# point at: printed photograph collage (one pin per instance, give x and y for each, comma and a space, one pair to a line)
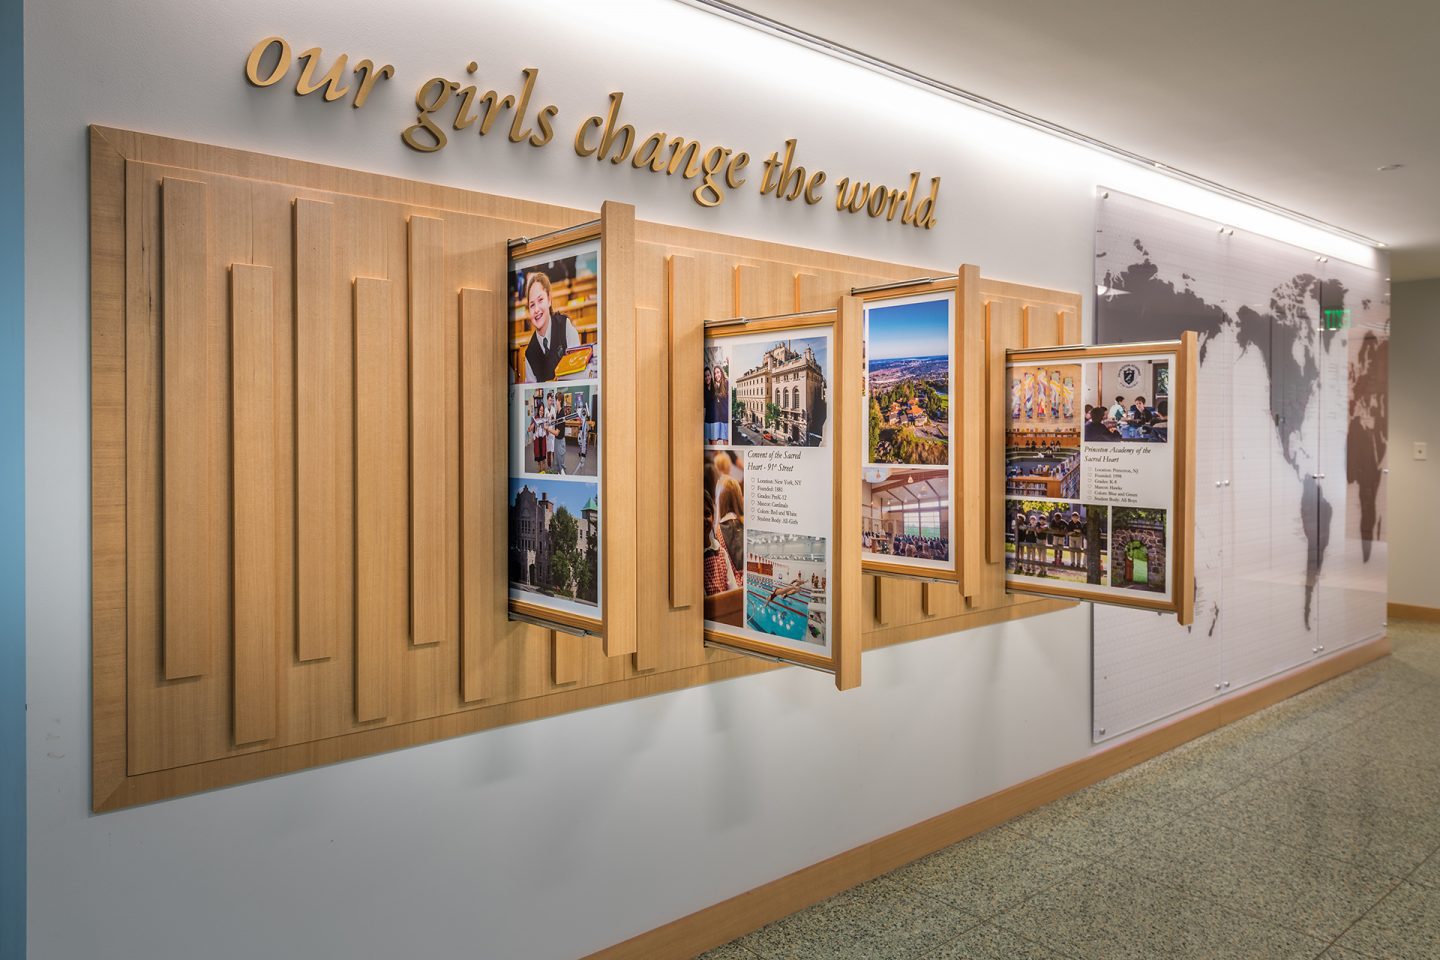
554, 360
767, 450
905, 491
1107, 529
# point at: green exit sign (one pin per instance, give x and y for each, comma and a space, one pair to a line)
1336, 318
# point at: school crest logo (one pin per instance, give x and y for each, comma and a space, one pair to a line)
1130, 375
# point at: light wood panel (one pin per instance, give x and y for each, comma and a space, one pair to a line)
969, 311
1189, 362
1001, 333
849, 460
339, 244
687, 353
379, 490
652, 563
1412, 611
320, 433
189, 594
565, 657
108, 505
255, 437
619, 395
482, 362
429, 520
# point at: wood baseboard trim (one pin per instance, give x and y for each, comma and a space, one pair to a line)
1411, 611
709, 928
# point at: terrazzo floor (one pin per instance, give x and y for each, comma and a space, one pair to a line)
1310, 830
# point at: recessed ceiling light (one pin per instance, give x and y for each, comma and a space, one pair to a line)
1390, 166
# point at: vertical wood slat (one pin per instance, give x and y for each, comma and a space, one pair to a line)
1069, 326
483, 501
319, 432
849, 459
1188, 359
565, 657
687, 356
882, 602
969, 315
620, 417
108, 439
650, 524
254, 435
997, 421
429, 577
186, 428
748, 294
807, 292
375, 547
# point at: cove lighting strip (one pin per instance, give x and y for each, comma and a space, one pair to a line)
885, 67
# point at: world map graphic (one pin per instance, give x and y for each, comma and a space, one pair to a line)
1290, 454
1140, 305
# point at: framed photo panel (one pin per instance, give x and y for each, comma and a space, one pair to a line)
1099, 474
781, 572
555, 322
910, 430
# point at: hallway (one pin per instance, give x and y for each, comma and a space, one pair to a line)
1309, 830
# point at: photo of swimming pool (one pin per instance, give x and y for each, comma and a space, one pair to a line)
784, 615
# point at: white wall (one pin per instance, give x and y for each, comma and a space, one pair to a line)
1413, 520
554, 838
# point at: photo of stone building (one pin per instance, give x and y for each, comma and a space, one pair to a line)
555, 539
781, 396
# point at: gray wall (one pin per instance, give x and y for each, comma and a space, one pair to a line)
1414, 514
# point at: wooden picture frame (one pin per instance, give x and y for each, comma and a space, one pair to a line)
843, 611
915, 293
1179, 589
611, 237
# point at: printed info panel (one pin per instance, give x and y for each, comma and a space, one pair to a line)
1090, 476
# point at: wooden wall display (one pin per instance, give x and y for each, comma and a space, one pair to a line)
1075, 465
921, 315
298, 494
561, 273
781, 550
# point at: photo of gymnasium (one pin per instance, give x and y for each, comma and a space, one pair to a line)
1057, 541
785, 585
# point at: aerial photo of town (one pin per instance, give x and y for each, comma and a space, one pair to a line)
908, 375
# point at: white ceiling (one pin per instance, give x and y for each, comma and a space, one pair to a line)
1296, 102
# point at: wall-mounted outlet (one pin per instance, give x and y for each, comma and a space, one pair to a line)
1421, 453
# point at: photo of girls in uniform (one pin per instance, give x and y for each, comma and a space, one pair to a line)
553, 329
555, 429
718, 401
555, 315
1062, 541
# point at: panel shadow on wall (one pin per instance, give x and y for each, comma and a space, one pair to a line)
1290, 549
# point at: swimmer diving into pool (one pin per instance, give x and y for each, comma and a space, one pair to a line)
789, 590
